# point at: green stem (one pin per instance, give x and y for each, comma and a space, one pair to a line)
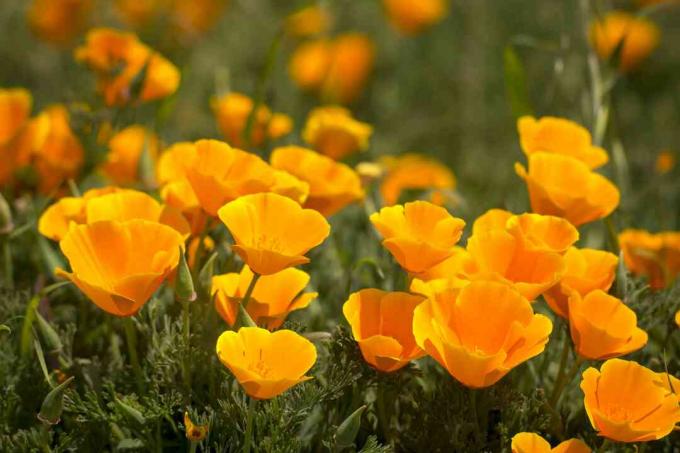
562, 369
192, 446
605, 444
249, 426
475, 415
7, 265
613, 236
131, 337
186, 332
244, 302
557, 393
262, 87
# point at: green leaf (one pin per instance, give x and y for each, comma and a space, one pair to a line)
515, 83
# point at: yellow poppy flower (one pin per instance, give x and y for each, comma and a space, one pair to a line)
272, 232
627, 402
559, 136
585, 270
125, 150
219, 174
290, 186
266, 364
419, 235
232, 111
382, 324
58, 21
275, 296
414, 172
480, 332
602, 326
411, 18
565, 187
332, 185
119, 265
533, 443
637, 36
335, 133
118, 58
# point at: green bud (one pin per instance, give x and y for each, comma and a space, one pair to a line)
52, 406
6, 223
205, 276
49, 335
243, 319
348, 429
145, 165
184, 286
130, 412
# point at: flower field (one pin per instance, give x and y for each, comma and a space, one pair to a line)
334, 225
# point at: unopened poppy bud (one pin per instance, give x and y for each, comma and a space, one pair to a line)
48, 334
184, 288
53, 404
348, 429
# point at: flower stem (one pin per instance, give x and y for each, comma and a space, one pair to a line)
562, 368
475, 415
249, 426
567, 378
186, 332
7, 266
131, 337
240, 321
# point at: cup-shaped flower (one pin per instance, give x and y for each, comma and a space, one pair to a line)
219, 174
332, 185
542, 232
655, 256
382, 324
126, 148
637, 37
533, 443
419, 235
232, 111
414, 172
603, 327
627, 402
119, 265
272, 232
266, 364
15, 109
480, 332
274, 296
333, 132
565, 187
411, 18
559, 136
585, 270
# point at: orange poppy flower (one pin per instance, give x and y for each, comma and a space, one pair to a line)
480, 332
565, 187
382, 324
219, 174
655, 256
266, 364
272, 232
333, 132
15, 109
232, 111
637, 36
533, 443
275, 296
585, 270
125, 150
627, 402
419, 235
59, 21
118, 58
665, 162
559, 136
411, 18
119, 265
290, 186
332, 185
308, 21
602, 326
414, 172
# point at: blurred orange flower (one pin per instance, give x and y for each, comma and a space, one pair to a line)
533, 443
382, 324
333, 131
266, 364
636, 36
332, 185
603, 327
627, 402
219, 174
565, 187
413, 172
125, 151
419, 235
275, 296
15, 111
337, 69
59, 21
665, 162
119, 265
308, 21
119, 59
656, 256
412, 17
585, 270
272, 232
232, 111
480, 332
559, 136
